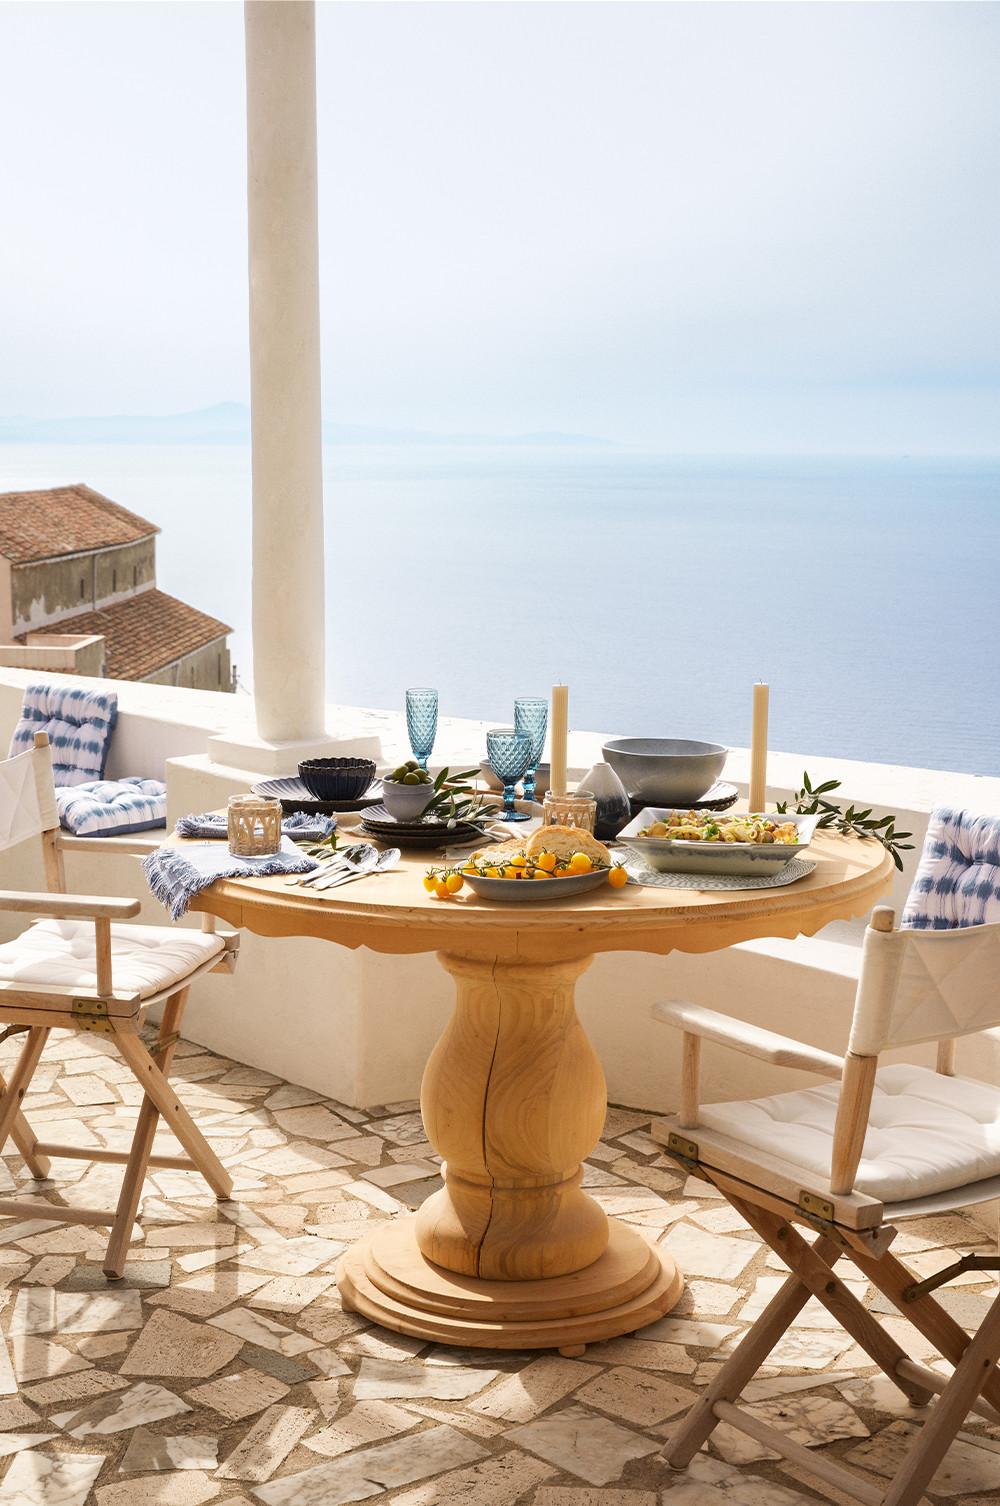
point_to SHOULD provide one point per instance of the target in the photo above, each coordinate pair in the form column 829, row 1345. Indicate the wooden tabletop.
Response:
column 393, row 912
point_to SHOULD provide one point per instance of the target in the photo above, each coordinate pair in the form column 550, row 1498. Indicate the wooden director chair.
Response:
column 78, row 969
column 846, row 1160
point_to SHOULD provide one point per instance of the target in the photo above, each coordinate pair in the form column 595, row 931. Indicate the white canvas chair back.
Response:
column 27, row 795
column 919, row 986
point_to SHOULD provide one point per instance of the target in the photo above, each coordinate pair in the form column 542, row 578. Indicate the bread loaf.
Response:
column 564, row 841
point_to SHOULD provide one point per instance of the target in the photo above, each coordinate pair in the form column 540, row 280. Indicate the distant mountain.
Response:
column 229, row 423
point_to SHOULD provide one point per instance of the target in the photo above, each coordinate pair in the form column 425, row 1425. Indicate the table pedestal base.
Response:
column 387, row 1278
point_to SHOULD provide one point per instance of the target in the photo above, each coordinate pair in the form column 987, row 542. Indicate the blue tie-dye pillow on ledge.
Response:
column 79, row 723
column 957, row 882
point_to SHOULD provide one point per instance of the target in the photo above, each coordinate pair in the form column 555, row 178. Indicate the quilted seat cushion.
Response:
column 957, row 882
column 927, row 1133
column 79, row 723
column 112, row 807
column 144, row 959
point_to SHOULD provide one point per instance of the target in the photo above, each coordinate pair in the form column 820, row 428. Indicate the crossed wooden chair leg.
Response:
column 974, row 1385
column 159, row 1101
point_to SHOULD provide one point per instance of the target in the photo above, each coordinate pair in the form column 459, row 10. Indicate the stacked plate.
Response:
column 719, row 798
column 294, row 797
column 378, row 823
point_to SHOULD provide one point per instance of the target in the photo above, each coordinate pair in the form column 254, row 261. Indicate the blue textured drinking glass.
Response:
column 508, row 752
column 422, row 722
column 531, row 718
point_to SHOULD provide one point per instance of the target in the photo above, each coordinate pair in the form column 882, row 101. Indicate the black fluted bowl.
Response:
column 337, row 778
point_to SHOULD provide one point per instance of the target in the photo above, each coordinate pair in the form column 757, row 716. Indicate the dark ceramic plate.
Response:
column 377, row 822
column 719, row 798
column 295, row 797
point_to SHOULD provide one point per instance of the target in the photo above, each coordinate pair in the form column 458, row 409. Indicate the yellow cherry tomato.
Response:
column 511, row 873
column 519, row 860
column 541, row 873
column 470, row 868
column 454, row 882
column 580, row 863
column 618, row 878
column 494, row 873
column 430, row 883
column 546, row 861
column 441, row 889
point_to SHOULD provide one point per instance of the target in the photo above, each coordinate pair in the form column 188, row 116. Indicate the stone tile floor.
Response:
column 223, row 1369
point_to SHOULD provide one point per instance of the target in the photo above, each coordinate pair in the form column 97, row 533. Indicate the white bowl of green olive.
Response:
column 407, row 791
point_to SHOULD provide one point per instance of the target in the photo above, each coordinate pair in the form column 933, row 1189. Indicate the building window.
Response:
column 114, row 581
column 135, row 576
column 83, row 588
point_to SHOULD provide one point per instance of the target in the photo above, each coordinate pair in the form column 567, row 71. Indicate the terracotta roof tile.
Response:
column 145, row 632
column 64, row 520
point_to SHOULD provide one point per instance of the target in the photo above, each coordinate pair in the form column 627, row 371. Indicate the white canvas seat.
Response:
column 866, row 1147
column 144, row 959
column 927, row 1133
column 79, row 968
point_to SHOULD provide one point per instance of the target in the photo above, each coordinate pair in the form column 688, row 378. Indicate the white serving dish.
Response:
column 745, row 859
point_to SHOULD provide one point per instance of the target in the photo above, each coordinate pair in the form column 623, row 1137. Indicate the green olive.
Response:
column 411, row 764
column 398, row 775
column 411, row 778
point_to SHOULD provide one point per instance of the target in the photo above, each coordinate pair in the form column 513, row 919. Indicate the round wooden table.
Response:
column 512, row 1253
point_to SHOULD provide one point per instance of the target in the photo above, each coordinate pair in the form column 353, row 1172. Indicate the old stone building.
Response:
column 78, row 593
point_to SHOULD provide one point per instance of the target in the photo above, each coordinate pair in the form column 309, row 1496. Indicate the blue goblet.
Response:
column 421, row 722
column 531, row 718
column 508, row 752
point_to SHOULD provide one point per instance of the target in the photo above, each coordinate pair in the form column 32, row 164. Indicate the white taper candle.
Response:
column 758, row 748
column 559, row 725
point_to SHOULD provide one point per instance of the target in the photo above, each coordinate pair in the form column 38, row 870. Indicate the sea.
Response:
column 866, row 592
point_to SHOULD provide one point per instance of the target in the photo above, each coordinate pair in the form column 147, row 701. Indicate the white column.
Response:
column 289, row 610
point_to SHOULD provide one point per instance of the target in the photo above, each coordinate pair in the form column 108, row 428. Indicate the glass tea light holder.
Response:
column 254, row 826
column 569, row 810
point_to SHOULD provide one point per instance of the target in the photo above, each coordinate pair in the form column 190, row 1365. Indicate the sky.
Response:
column 695, row 227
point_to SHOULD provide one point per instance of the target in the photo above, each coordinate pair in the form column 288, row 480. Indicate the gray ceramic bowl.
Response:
column 665, row 770
column 406, row 801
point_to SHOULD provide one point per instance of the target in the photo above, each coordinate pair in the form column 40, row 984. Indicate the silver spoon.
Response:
column 382, row 864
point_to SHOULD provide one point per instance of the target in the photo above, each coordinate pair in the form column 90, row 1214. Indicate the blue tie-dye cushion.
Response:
column 112, row 807
column 79, row 723
column 958, row 877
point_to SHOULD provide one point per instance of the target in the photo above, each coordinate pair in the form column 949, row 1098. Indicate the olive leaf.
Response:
column 810, row 801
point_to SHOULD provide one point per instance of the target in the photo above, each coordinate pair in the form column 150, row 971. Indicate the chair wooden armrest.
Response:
column 75, row 906
column 752, row 1040
column 136, row 846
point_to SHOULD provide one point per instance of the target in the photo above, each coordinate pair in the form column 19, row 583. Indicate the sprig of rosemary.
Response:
column 809, row 801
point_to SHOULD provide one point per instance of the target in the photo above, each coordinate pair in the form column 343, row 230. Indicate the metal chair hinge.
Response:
column 684, row 1151
column 164, row 1043
column 919, row 1289
column 92, row 1014
column 817, row 1211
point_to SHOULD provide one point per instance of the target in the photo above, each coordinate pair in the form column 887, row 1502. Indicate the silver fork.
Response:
column 351, row 859
column 385, row 860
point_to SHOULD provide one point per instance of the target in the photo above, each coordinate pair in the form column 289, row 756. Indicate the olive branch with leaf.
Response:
column 811, row 801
